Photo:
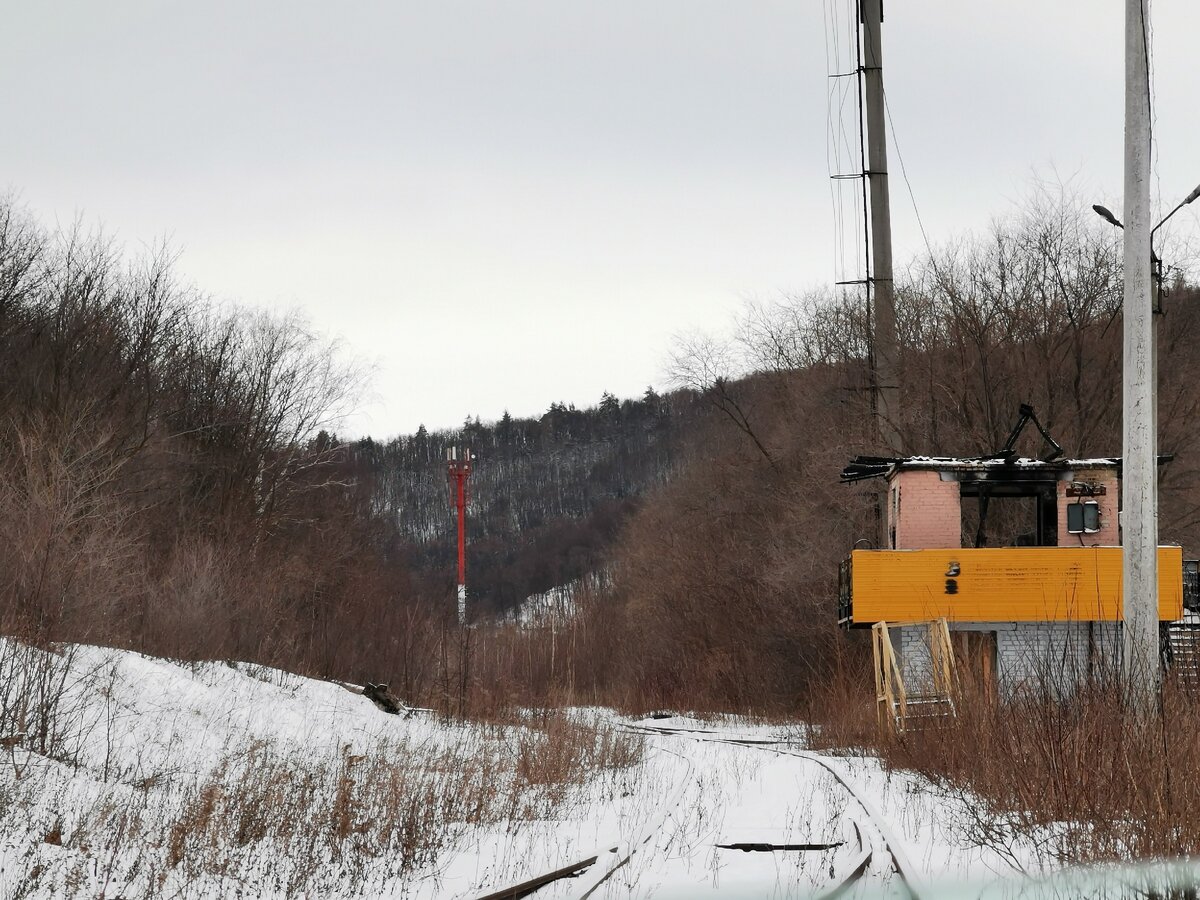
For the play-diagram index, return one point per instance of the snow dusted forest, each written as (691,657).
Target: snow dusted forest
(548,495)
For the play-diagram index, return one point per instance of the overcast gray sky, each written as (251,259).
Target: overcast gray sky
(507,203)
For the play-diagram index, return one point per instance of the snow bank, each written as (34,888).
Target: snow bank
(215,780)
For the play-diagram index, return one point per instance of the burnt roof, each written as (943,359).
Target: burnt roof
(862,468)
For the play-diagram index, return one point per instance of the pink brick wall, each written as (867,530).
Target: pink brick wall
(930,511)
(1109,534)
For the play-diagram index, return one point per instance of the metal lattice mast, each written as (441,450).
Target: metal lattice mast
(458,468)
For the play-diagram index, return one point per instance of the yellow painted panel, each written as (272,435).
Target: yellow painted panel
(1003,584)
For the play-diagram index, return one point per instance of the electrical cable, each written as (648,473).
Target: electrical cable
(832,151)
(904,174)
(839,143)
(1147,27)
(829,128)
(911,194)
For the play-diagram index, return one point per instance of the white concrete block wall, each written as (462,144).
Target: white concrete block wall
(912,649)
(1033,656)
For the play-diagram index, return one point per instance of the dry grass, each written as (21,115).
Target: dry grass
(360,820)
(291,819)
(319,824)
(1081,779)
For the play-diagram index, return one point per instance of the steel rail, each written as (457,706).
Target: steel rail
(621,855)
(899,860)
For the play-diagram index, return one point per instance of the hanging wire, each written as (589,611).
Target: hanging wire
(844,145)
(904,174)
(1147,44)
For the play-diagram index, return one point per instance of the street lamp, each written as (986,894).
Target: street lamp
(1105,213)
(1182,203)
(1144,525)
(1155,263)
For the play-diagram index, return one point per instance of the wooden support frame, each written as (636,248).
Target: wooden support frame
(941,653)
(891,696)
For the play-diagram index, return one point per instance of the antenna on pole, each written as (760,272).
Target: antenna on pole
(458,470)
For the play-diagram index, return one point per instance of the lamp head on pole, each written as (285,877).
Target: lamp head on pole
(1106,214)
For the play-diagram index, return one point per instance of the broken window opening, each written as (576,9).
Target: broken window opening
(1009,515)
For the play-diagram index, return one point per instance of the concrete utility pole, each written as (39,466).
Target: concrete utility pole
(1139,530)
(886,388)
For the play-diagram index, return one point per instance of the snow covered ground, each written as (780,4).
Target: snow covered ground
(760,793)
(553,607)
(164,779)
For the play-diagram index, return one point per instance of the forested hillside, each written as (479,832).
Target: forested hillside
(547,495)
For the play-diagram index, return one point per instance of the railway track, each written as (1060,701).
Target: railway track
(878,850)
(882,845)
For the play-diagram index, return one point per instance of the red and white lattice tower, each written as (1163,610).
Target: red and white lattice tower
(458,469)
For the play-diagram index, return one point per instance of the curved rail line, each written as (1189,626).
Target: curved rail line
(891,846)
(614,857)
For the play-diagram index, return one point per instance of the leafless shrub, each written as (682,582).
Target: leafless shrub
(41,708)
(360,820)
(194,601)
(1081,778)
(69,562)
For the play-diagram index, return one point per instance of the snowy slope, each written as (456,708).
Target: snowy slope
(212,780)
